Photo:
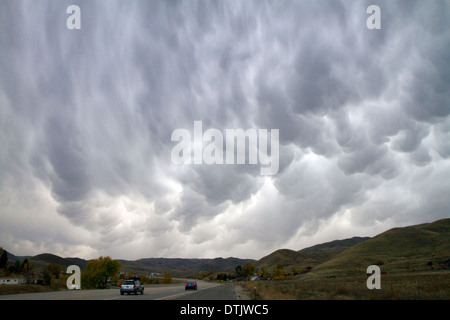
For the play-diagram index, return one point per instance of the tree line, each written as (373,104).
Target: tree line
(99,273)
(248,270)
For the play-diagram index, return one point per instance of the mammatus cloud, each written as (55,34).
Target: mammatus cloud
(87,118)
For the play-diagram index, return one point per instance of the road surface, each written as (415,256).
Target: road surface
(206,291)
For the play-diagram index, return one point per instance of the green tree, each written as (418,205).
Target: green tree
(167,278)
(25,266)
(3,258)
(279,271)
(238,271)
(17,267)
(145,279)
(54,270)
(11,268)
(248,269)
(46,277)
(99,272)
(263,273)
(222,276)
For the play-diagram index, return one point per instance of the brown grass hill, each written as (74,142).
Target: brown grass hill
(290,260)
(41,261)
(308,257)
(397,250)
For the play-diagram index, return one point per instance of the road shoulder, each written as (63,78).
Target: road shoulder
(240,293)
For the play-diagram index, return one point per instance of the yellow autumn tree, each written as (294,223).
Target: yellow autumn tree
(100,272)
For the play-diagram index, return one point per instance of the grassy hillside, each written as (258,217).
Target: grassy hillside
(308,257)
(290,260)
(334,247)
(396,250)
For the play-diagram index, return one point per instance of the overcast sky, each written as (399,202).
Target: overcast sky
(86,118)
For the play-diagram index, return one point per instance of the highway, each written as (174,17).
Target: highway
(206,291)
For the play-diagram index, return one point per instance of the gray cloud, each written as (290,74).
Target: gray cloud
(86,121)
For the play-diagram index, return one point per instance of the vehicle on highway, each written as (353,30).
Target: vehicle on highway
(131,286)
(190,285)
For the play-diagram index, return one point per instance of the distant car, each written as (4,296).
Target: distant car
(131,286)
(190,285)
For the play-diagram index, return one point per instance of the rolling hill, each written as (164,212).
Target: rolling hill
(308,257)
(396,250)
(41,261)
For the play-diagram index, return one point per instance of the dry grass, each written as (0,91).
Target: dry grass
(411,286)
(23,288)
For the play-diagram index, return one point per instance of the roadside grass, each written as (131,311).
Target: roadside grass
(405,286)
(24,288)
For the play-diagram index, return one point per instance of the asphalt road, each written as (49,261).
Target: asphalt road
(206,291)
(219,292)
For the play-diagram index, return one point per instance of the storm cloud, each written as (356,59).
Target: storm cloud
(86,118)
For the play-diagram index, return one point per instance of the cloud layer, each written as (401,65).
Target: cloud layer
(87,116)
